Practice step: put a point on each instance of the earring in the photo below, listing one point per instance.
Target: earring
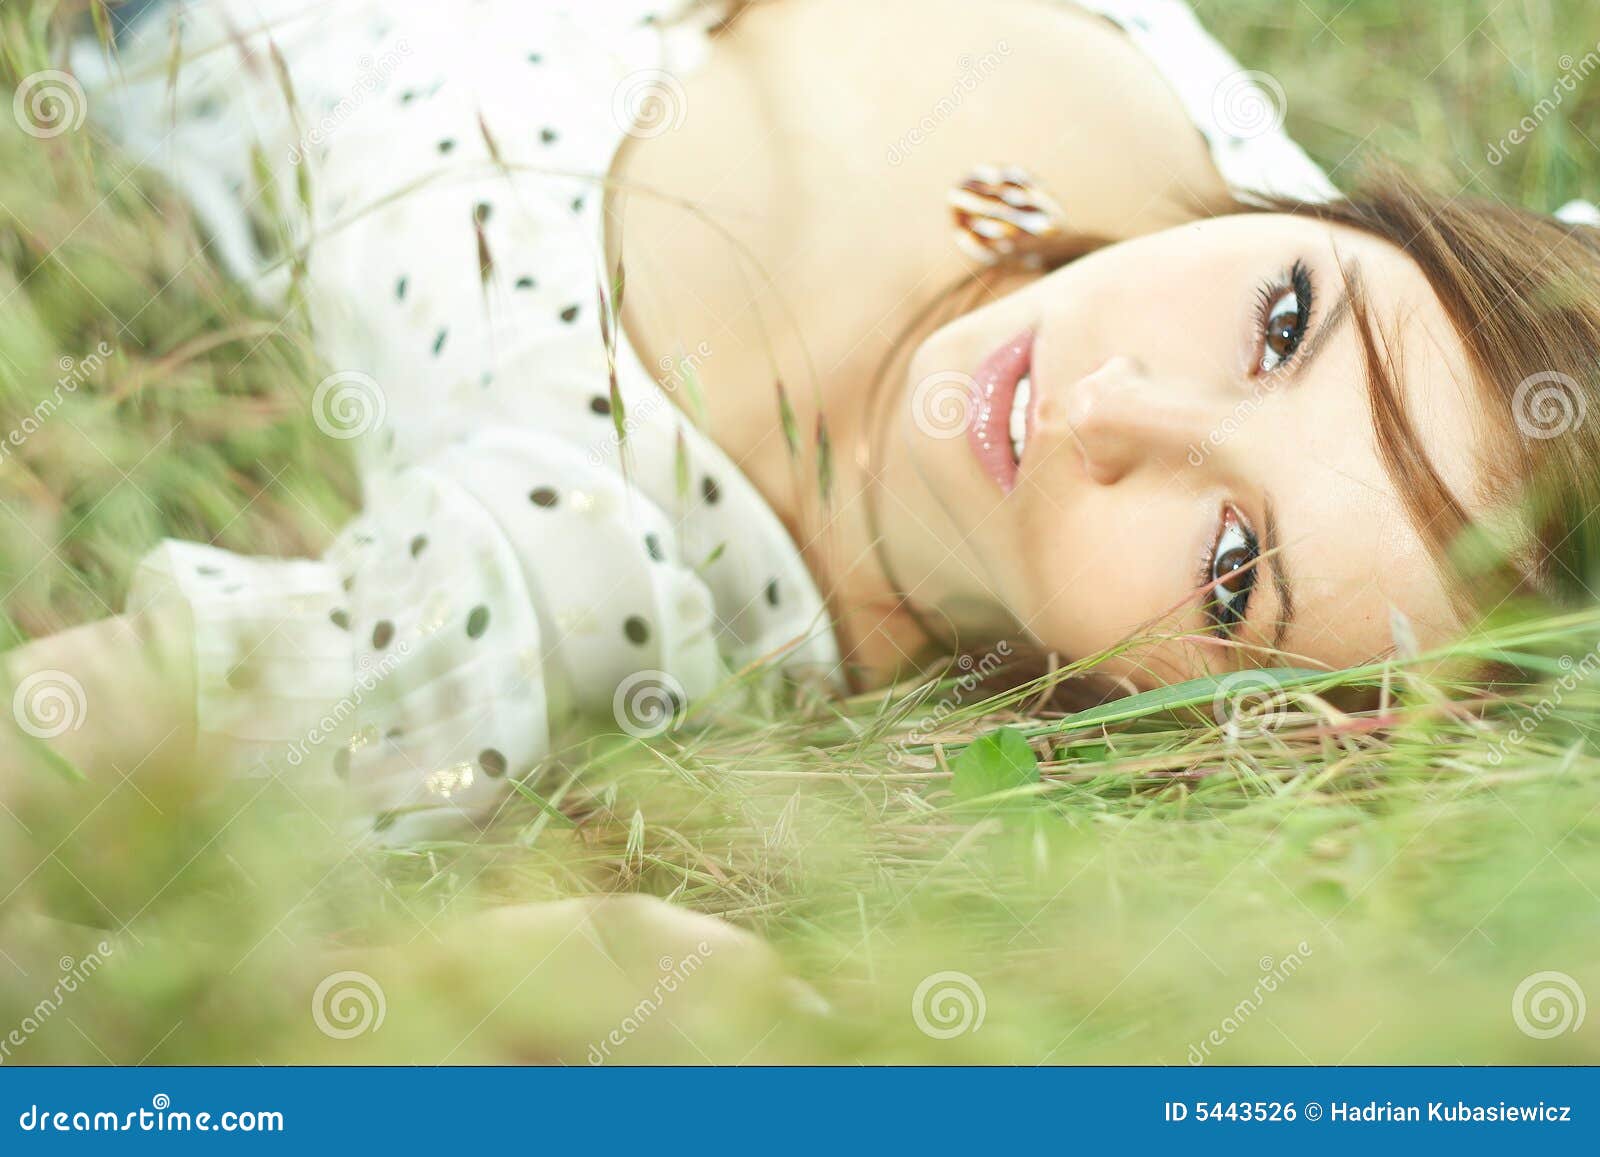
(1001, 213)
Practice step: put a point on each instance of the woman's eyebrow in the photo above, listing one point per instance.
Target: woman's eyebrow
(1338, 314)
(1279, 568)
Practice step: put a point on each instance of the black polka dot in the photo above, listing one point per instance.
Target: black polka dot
(570, 314)
(601, 405)
(710, 490)
(544, 496)
(534, 58)
(548, 136)
(481, 211)
(524, 282)
(772, 593)
(400, 290)
(653, 545)
(382, 634)
(348, 583)
(477, 621)
(492, 762)
(341, 619)
(577, 204)
(418, 545)
(408, 96)
(438, 341)
(446, 145)
(341, 762)
(637, 630)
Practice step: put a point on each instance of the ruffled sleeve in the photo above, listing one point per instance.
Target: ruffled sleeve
(549, 547)
(269, 655)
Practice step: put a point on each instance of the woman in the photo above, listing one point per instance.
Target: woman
(1144, 415)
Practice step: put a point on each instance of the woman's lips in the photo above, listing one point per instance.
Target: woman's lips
(994, 388)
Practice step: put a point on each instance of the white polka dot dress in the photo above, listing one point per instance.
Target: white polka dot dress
(439, 166)
(508, 588)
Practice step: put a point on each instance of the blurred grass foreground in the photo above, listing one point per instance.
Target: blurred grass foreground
(940, 879)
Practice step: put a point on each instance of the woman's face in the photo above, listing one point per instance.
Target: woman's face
(1082, 456)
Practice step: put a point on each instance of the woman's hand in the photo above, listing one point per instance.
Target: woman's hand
(623, 979)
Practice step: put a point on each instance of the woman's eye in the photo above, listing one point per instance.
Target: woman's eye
(1285, 316)
(1231, 574)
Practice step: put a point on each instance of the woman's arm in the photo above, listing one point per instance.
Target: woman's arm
(108, 701)
(599, 980)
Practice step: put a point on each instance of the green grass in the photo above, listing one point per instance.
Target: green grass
(1416, 860)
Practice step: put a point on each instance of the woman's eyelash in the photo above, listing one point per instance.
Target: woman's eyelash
(1284, 318)
(1228, 573)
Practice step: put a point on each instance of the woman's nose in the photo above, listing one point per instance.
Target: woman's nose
(1123, 418)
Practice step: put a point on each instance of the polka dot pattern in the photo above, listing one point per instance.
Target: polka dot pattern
(504, 577)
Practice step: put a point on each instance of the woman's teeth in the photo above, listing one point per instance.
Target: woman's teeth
(1019, 417)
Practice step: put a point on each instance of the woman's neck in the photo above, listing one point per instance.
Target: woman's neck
(799, 233)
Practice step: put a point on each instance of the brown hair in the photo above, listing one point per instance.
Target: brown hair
(1522, 292)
